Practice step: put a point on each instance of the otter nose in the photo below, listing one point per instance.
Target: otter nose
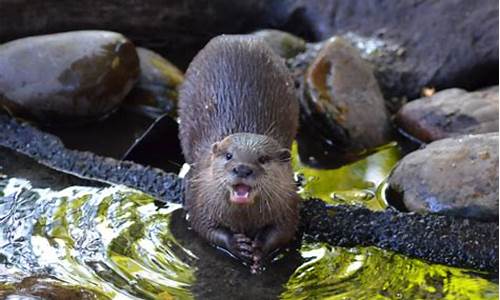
(242, 171)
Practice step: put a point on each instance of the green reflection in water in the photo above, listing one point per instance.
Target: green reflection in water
(356, 183)
(113, 241)
(370, 273)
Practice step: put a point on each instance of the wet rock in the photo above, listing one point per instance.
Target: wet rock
(67, 77)
(443, 44)
(343, 114)
(454, 176)
(450, 113)
(448, 43)
(177, 29)
(382, 55)
(284, 44)
(48, 288)
(158, 82)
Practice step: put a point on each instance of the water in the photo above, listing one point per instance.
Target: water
(115, 243)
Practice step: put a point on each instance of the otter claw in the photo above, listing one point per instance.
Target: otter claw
(242, 247)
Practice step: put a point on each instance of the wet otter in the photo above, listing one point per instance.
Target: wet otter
(238, 117)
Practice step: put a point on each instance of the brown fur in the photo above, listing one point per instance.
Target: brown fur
(239, 95)
(275, 188)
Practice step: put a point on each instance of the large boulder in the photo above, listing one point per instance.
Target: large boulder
(67, 77)
(454, 176)
(158, 83)
(446, 43)
(343, 113)
(450, 112)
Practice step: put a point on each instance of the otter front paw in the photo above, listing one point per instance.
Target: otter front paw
(257, 257)
(241, 247)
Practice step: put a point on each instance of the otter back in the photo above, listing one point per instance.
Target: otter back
(235, 84)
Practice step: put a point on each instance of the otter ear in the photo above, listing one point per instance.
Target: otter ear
(215, 148)
(284, 155)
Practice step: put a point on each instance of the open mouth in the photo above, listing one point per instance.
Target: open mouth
(241, 194)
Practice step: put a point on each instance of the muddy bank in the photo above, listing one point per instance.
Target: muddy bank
(439, 239)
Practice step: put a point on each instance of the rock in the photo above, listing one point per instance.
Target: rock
(49, 288)
(454, 176)
(451, 112)
(177, 29)
(158, 82)
(446, 43)
(284, 44)
(382, 55)
(342, 109)
(67, 77)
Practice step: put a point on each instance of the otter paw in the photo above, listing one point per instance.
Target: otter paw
(258, 254)
(242, 247)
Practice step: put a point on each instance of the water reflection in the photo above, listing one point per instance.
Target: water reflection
(114, 240)
(356, 183)
(371, 273)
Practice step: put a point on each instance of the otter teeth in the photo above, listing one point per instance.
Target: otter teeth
(241, 193)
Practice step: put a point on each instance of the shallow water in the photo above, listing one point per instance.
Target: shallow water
(117, 244)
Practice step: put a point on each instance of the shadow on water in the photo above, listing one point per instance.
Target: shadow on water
(62, 237)
(219, 275)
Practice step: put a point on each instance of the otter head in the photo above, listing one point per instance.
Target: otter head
(253, 167)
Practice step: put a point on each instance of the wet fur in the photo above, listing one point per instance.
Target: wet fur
(276, 205)
(238, 85)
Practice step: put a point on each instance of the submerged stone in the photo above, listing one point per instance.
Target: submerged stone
(343, 114)
(49, 288)
(69, 77)
(454, 176)
(450, 112)
(158, 83)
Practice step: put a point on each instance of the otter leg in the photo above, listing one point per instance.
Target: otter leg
(237, 244)
(267, 241)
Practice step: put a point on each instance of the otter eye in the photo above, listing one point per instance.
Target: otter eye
(228, 156)
(264, 159)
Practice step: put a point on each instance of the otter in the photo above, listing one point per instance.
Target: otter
(238, 116)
